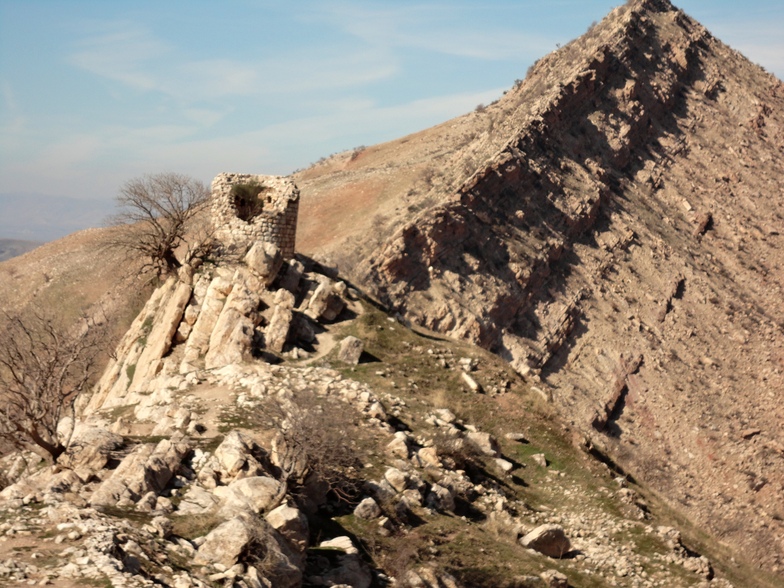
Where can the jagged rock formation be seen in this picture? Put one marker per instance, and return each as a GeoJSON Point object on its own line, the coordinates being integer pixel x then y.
{"type": "Point", "coordinates": [616, 235]}
{"type": "Point", "coordinates": [257, 298]}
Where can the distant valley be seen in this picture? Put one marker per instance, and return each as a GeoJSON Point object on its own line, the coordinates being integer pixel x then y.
{"type": "Point", "coordinates": [12, 247]}
{"type": "Point", "coordinates": [39, 217]}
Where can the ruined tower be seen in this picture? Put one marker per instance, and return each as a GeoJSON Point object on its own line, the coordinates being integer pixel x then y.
{"type": "Point", "coordinates": [249, 208]}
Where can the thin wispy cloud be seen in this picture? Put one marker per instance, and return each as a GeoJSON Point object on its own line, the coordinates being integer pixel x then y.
{"type": "Point", "coordinates": [142, 62]}
{"type": "Point", "coordinates": [268, 86]}
{"type": "Point", "coordinates": [496, 45]}
{"type": "Point", "coordinates": [124, 54]}
{"type": "Point", "coordinates": [204, 117]}
{"type": "Point", "coordinates": [371, 117]}
{"type": "Point", "coordinates": [429, 28]}
{"type": "Point", "coordinates": [74, 152]}
{"type": "Point", "coordinates": [272, 147]}
{"type": "Point", "coordinates": [12, 120]}
{"type": "Point", "coordinates": [762, 44]}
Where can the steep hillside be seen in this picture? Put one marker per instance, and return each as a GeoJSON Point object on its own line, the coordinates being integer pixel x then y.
{"type": "Point", "coordinates": [464, 477]}
{"type": "Point", "coordinates": [622, 245]}
{"type": "Point", "coordinates": [75, 275]}
{"type": "Point", "coordinates": [571, 310]}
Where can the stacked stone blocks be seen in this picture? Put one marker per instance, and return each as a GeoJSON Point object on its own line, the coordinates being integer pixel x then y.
{"type": "Point", "coordinates": [275, 222]}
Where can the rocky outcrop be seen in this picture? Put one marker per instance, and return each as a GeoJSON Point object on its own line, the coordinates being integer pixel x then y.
{"type": "Point", "coordinates": [148, 468]}
{"type": "Point", "coordinates": [226, 514]}
{"type": "Point", "coordinates": [90, 450]}
{"type": "Point", "coordinates": [232, 336]}
{"type": "Point", "coordinates": [148, 339]}
{"type": "Point", "coordinates": [292, 524]}
{"type": "Point", "coordinates": [549, 540]}
{"type": "Point", "coordinates": [517, 215]}
{"type": "Point", "coordinates": [226, 543]}
{"type": "Point", "coordinates": [254, 494]}
{"type": "Point", "coordinates": [217, 317]}
{"type": "Point", "coordinates": [350, 350]}
{"type": "Point", "coordinates": [581, 254]}
{"type": "Point", "coordinates": [265, 260]}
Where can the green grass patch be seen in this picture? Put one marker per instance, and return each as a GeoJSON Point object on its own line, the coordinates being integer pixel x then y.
{"type": "Point", "coordinates": [130, 514]}
{"type": "Point", "coordinates": [143, 439]}
{"type": "Point", "coordinates": [117, 412]}
{"type": "Point", "coordinates": [130, 371]}
{"type": "Point", "coordinates": [146, 330]}
{"type": "Point", "coordinates": [102, 582]}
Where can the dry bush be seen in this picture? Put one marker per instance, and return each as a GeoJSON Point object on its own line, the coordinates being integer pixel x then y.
{"type": "Point", "coordinates": [458, 453]}
{"type": "Point", "coordinates": [193, 526]}
{"type": "Point", "coordinates": [428, 176]}
{"type": "Point", "coordinates": [399, 562]}
{"type": "Point", "coordinates": [357, 152]}
{"type": "Point", "coordinates": [264, 553]}
{"type": "Point", "coordinates": [247, 199]}
{"type": "Point", "coordinates": [313, 448]}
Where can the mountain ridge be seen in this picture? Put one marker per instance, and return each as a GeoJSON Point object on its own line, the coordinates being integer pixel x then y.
{"type": "Point", "coordinates": [612, 232]}
{"type": "Point", "coordinates": [624, 155]}
{"type": "Point", "coordinates": [14, 247]}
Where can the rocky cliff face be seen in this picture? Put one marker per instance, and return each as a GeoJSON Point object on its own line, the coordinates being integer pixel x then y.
{"type": "Point", "coordinates": [622, 249]}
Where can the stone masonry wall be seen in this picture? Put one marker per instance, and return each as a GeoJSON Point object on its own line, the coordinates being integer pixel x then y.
{"type": "Point", "coordinates": [276, 223]}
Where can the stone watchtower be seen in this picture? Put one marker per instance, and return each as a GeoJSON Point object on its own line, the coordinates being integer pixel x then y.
{"type": "Point", "coordinates": [250, 208]}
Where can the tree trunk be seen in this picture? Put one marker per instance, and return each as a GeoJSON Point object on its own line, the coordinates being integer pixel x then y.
{"type": "Point", "coordinates": [55, 450]}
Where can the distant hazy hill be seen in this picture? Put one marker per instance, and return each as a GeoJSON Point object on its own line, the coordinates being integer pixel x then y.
{"type": "Point", "coordinates": [11, 248]}
{"type": "Point", "coordinates": [38, 217]}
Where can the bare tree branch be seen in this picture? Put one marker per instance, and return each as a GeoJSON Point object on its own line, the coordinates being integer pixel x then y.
{"type": "Point", "coordinates": [44, 367]}
{"type": "Point", "coordinates": [156, 213]}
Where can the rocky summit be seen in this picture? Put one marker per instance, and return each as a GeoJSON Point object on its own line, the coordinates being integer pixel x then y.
{"type": "Point", "coordinates": [539, 345]}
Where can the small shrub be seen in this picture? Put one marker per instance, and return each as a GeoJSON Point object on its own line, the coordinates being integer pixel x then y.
{"type": "Point", "coordinates": [146, 330]}
{"type": "Point", "coordinates": [315, 452]}
{"type": "Point", "coordinates": [458, 453]}
{"type": "Point", "coordinates": [429, 175]}
{"type": "Point", "coordinates": [357, 151]}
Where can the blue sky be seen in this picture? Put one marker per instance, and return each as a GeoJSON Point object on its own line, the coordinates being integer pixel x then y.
{"type": "Point", "coordinates": [95, 92]}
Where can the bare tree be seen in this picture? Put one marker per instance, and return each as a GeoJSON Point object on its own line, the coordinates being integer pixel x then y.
{"type": "Point", "coordinates": [156, 213]}
{"type": "Point", "coordinates": [44, 367]}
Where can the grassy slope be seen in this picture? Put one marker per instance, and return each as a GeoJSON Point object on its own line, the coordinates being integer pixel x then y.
{"type": "Point", "coordinates": [405, 364]}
